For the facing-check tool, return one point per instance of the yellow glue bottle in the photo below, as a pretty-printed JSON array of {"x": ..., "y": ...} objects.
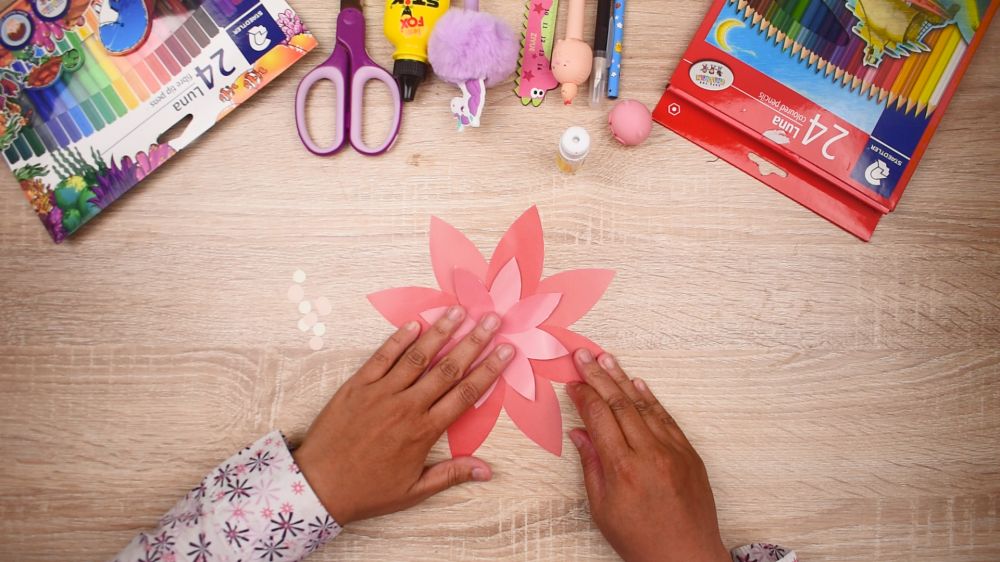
[{"x": 408, "y": 24}]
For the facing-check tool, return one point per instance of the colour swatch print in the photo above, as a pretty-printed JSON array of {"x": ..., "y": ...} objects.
[{"x": 81, "y": 125}]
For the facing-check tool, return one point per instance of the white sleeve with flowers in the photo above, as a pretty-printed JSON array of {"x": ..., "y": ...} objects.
[{"x": 254, "y": 506}]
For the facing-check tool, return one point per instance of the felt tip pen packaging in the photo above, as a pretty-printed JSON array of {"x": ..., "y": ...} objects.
[
  {"x": 81, "y": 126},
  {"x": 408, "y": 25},
  {"x": 830, "y": 102}
]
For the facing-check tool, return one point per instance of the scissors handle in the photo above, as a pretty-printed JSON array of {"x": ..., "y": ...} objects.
[
  {"x": 363, "y": 74},
  {"x": 349, "y": 68},
  {"x": 333, "y": 74},
  {"x": 332, "y": 71}
]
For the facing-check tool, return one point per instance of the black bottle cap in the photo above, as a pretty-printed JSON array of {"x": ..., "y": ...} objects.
[{"x": 409, "y": 74}]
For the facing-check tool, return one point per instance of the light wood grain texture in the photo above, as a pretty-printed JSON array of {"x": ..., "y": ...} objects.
[{"x": 845, "y": 396}]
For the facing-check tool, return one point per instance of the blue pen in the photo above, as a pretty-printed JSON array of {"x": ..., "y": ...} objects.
[{"x": 617, "y": 35}]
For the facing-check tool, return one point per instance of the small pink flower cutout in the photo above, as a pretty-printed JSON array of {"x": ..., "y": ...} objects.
[{"x": 536, "y": 314}]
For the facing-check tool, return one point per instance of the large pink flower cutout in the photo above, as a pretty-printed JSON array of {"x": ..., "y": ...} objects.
[{"x": 536, "y": 314}]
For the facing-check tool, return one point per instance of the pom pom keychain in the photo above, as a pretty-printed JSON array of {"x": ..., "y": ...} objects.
[
  {"x": 630, "y": 122},
  {"x": 473, "y": 50}
]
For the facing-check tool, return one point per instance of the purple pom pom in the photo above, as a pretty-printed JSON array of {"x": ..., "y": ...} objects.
[{"x": 469, "y": 45}]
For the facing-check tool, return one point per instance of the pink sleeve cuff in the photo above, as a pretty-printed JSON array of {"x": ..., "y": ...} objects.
[
  {"x": 256, "y": 505},
  {"x": 763, "y": 552}
]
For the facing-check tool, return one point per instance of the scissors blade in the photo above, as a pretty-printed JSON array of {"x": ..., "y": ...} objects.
[{"x": 356, "y": 4}]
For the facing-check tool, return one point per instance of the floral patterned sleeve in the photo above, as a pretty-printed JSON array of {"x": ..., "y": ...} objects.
[
  {"x": 254, "y": 506},
  {"x": 763, "y": 552}
]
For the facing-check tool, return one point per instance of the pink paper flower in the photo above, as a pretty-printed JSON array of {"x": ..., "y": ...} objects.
[{"x": 536, "y": 314}]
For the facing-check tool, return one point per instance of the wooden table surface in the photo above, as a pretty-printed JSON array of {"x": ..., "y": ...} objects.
[{"x": 845, "y": 396}]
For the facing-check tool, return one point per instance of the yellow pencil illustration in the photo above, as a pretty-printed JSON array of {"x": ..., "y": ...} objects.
[
  {"x": 943, "y": 54},
  {"x": 949, "y": 73},
  {"x": 911, "y": 69}
]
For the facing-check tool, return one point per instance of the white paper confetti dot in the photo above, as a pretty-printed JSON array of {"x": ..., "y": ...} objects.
[
  {"x": 319, "y": 329},
  {"x": 299, "y": 276},
  {"x": 295, "y": 293},
  {"x": 315, "y": 343},
  {"x": 305, "y": 307},
  {"x": 307, "y": 321},
  {"x": 323, "y": 306}
]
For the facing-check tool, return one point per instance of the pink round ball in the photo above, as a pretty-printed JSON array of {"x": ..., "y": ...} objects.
[{"x": 630, "y": 122}]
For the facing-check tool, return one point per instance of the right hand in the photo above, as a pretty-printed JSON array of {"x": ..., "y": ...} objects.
[{"x": 648, "y": 488}]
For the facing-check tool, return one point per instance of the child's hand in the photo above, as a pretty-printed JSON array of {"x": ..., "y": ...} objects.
[
  {"x": 365, "y": 453},
  {"x": 648, "y": 489}
]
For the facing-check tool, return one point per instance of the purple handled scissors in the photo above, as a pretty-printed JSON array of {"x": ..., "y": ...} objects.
[{"x": 349, "y": 68}]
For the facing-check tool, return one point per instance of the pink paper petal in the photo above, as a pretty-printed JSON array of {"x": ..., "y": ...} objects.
[
  {"x": 489, "y": 392},
  {"x": 518, "y": 375},
  {"x": 432, "y": 315},
  {"x": 472, "y": 294},
  {"x": 571, "y": 340},
  {"x": 580, "y": 288},
  {"x": 444, "y": 351},
  {"x": 451, "y": 250},
  {"x": 403, "y": 304},
  {"x": 506, "y": 288},
  {"x": 523, "y": 241},
  {"x": 537, "y": 344},
  {"x": 529, "y": 313},
  {"x": 562, "y": 369},
  {"x": 471, "y": 428},
  {"x": 539, "y": 419},
  {"x": 429, "y": 317},
  {"x": 484, "y": 353}
]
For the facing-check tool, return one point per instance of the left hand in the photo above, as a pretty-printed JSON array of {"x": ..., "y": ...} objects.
[{"x": 365, "y": 454}]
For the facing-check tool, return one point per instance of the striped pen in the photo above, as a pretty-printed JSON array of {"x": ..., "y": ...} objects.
[{"x": 617, "y": 35}]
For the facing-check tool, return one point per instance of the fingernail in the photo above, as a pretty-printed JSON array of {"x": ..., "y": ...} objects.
[
  {"x": 491, "y": 322},
  {"x": 584, "y": 355},
  {"x": 640, "y": 384},
  {"x": 411, "y": 326},
  {"x": 607, "y": 361},
  {"x": 576, "y": 438},
  {"x": 456, "y": 313},
  {"x": 480, "y": 474},
  {"x": 505, "y": 352}
]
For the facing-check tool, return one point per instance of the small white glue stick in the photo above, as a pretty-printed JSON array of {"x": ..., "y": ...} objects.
[{"x": 573, "y": 149}]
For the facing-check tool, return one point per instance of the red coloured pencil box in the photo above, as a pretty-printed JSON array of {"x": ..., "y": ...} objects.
[{"x": 830, "y": 102}]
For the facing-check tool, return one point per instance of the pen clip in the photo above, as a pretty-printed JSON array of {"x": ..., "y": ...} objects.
[{"x": 611, "y": 40}]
